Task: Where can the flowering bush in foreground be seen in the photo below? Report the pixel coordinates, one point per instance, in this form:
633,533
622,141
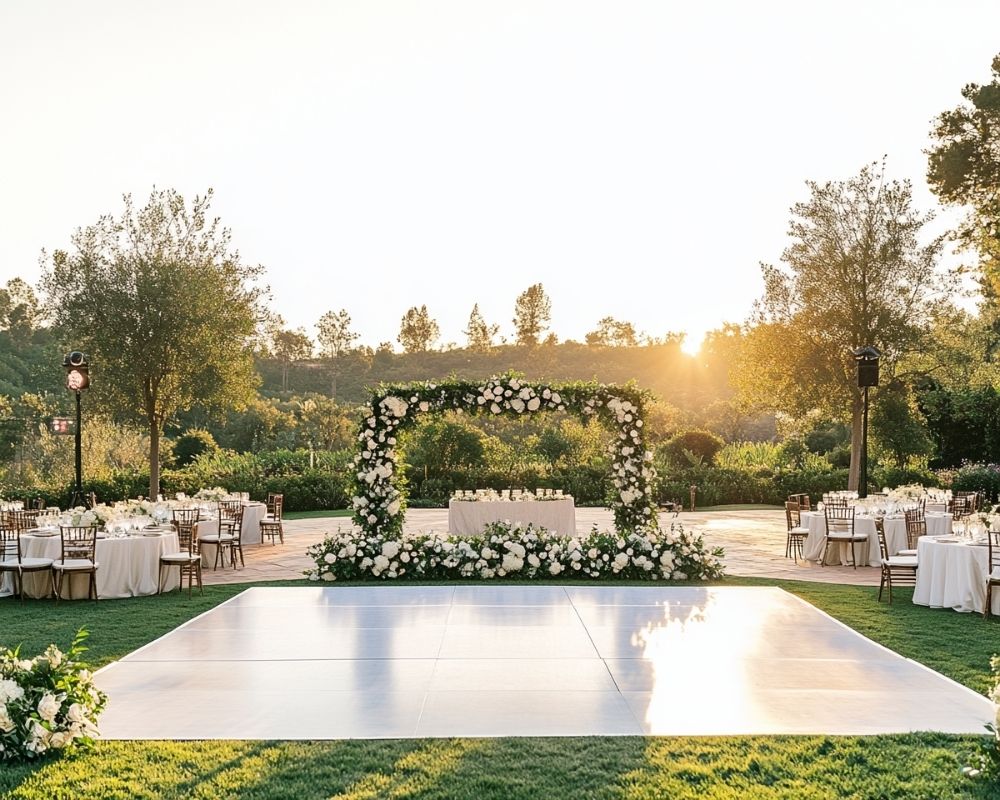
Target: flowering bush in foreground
504,549
47,703
988,767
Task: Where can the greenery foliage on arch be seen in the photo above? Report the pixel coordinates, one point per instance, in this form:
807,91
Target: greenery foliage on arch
379,493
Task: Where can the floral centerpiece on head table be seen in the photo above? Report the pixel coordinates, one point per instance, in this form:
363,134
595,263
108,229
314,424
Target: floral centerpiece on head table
79,517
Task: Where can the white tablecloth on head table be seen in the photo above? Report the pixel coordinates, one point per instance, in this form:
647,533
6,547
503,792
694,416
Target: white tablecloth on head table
867,552
127,567
469,517
952,575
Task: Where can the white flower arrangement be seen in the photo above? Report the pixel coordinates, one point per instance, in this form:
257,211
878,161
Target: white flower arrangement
48,703
214,495
379,502
907,493
513,550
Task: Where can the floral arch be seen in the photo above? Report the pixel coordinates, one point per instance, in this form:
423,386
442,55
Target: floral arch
380,499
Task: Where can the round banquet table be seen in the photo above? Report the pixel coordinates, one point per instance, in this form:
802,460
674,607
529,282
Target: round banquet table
469,517
253,513
952,575
867,552
127,567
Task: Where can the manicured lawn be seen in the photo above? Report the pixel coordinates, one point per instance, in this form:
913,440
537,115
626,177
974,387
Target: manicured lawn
632,768
342,512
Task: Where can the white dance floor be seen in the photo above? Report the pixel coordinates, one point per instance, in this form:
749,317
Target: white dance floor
394,662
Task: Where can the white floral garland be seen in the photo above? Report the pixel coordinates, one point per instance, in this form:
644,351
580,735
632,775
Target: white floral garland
506,550
379,501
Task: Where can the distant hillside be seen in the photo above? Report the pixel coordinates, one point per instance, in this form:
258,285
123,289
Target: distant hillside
680,379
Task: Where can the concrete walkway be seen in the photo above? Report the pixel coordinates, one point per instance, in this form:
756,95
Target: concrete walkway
754,542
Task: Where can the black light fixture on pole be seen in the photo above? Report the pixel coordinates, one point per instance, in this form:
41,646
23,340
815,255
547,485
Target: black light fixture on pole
867,358
77,379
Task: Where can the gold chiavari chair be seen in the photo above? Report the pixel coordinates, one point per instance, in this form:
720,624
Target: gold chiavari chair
993,569
12,560
79,557
901,569
796,534
916,526
271,526
187,559
840,530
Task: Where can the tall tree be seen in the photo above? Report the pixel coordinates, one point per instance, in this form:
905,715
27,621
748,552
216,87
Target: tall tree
964,170
532,314
334,333
613,333
417,331
336,338
854,274
165,308
479,334
288,347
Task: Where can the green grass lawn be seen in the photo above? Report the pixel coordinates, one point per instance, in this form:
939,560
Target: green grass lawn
912,766
342,512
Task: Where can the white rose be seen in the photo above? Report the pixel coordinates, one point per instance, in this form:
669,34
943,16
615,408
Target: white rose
390,549
555,568
393,508
48,707
425,406
533,560
380,563
329,558
517,404
556,398
495,408
6,723
534,403
525,393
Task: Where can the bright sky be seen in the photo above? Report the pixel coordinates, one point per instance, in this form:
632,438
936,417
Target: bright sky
637,158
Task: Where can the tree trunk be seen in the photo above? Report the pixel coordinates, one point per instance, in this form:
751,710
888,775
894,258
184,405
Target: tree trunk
154,459
857,416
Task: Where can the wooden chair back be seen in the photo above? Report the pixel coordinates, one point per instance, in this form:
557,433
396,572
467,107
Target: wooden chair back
916,526
839,519
793,516
10,544
78,542
993,556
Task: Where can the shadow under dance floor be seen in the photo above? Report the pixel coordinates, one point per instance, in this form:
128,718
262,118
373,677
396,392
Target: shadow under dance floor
426,661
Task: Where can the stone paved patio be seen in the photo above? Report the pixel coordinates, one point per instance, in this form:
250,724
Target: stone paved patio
754,542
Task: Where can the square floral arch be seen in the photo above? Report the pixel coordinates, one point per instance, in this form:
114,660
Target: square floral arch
380,499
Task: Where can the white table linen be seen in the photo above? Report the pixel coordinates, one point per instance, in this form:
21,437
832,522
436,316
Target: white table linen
469,517
253,513
127,567
867,552
952,575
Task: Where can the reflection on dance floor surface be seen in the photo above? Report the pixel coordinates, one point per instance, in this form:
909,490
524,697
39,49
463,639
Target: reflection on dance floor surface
394,661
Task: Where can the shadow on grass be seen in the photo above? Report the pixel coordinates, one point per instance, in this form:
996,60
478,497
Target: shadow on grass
629,768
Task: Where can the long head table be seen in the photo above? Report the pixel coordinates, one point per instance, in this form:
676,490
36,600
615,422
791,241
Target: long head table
469,517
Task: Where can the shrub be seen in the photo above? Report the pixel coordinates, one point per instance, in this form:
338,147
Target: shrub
695,444
983,478
191,444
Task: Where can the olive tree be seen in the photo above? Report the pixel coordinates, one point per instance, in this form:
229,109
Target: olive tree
165,308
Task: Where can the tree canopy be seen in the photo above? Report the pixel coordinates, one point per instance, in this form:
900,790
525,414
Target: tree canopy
532,314
165,309
417,331
856,273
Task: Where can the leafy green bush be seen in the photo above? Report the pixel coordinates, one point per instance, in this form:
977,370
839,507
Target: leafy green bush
983,478
688,447
191,444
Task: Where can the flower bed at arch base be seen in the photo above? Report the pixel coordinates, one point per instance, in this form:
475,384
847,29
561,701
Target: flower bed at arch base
510,550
